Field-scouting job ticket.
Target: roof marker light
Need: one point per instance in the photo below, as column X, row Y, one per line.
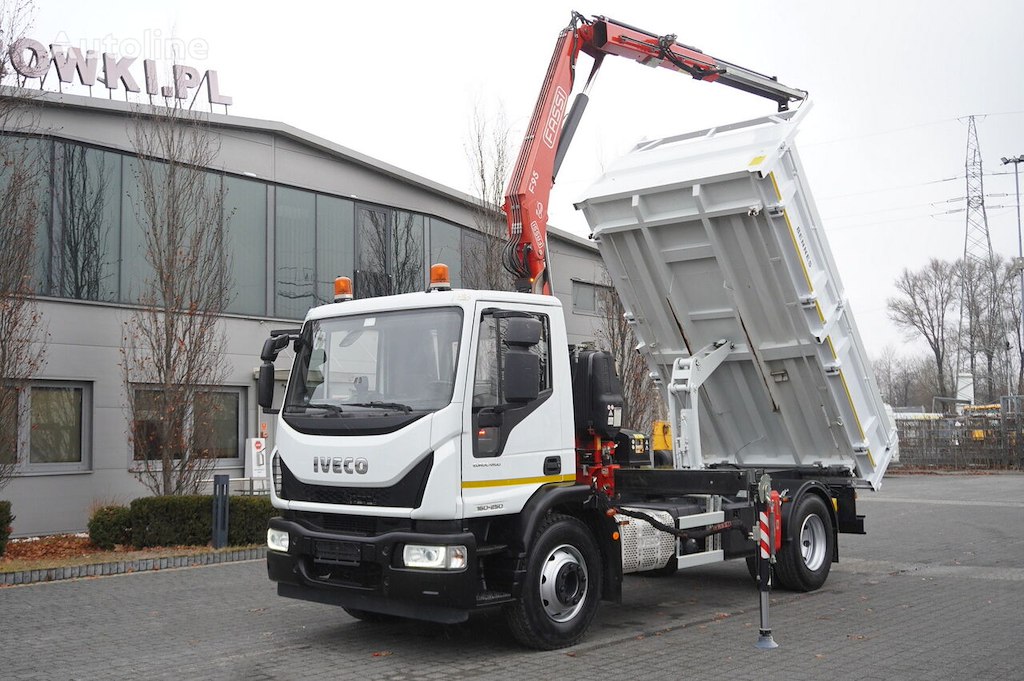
column 439, row 278
column 342, row 289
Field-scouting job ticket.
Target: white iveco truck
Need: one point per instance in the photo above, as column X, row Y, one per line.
column 443, row 452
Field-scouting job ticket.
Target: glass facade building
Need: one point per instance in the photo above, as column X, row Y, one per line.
column 297, row 212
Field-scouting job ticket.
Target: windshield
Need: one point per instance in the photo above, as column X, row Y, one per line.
column 391, row 362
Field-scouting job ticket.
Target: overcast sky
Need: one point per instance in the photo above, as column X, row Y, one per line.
column 884, row 146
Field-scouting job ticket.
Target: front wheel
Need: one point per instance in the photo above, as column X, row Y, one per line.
column 562, row 588
column 804, row 563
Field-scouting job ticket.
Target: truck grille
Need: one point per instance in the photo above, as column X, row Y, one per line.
column 407, row 492
column 353, row 525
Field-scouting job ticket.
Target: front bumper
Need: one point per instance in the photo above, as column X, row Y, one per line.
column 366, row 573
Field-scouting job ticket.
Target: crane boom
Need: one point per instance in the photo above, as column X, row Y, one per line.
column 551, row 127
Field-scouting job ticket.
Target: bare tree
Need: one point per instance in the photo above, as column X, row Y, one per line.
column 172, row 348
column 904, row 381
column 22, row 171
column 642, row 403
column 885, row 366
column 489, row 153
column 925, row 305
column 984, row 328
column 1012, row 304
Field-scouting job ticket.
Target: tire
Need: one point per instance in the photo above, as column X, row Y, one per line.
column 752, row 567
column 367, row 616
column 562, row 588
column 805, row 560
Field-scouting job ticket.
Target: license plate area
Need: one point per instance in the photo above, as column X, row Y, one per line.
column 336, row 552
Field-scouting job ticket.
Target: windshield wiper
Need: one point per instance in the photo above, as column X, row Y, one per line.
column 325, row 405
column 382, row 405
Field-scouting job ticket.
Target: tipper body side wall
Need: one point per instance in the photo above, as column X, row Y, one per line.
column 712, row 237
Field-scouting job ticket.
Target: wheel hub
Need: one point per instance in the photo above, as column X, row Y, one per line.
column 563, row 583
column 813, row 542
column 570, row 584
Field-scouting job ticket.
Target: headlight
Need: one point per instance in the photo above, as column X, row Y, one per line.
column 277, row 540
column 434, row 557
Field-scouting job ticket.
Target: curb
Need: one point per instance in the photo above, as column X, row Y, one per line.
column 129, row 566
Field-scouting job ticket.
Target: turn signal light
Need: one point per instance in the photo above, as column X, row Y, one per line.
column 342, row 289
column 439, row 277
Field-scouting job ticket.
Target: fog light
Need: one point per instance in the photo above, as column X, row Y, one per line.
column 277, row 540
column 434, row 557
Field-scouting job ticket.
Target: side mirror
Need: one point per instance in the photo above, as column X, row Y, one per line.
column 265, row 385
column 279, row 340
column 521, row 373
column 521, row 368
column 522, row 332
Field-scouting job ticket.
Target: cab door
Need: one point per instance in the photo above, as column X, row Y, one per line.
column 512, row 445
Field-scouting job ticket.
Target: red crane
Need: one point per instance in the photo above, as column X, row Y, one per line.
column 551, row 130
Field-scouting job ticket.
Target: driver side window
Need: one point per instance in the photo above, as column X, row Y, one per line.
column 485, row 385
column 493, row 416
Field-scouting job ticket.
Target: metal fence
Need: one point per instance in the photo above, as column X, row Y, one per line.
column 983, row 439
column 240, row 486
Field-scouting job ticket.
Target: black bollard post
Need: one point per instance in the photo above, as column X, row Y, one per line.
column 220, row 511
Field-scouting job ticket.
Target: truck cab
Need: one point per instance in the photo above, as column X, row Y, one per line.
column 414, row 430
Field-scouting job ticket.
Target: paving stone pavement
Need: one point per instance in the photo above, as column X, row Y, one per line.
column 932, row 592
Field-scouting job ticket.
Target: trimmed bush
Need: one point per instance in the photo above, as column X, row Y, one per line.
column 110, row 525
column 172, row 521
column 5, row 525
column 188, row 520
column 248, row 518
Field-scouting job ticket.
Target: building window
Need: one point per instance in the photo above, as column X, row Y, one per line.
column 584, row 298
column 445, row 247
column 371, row 275
column 25, row 190
column 245, row 213
column 55, row 434
column 87, row 223
column 407, row 253
column 218, row 424
column 294, row 253
column 215, row 420
column 52, row 431
column 588, row 298
column 335, row 229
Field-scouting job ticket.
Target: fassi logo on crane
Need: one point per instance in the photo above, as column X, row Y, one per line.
column 554, row 122
column 31, row 59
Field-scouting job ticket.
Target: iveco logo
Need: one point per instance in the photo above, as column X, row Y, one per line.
column 337, row 464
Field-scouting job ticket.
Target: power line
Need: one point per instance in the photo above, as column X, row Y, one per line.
column 955, row 178
column 917, row 219
column 916, row 126
column 879, row 133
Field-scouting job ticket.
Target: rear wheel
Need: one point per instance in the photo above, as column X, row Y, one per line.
column 804, row 562
column 562, row 588
column 752, row 567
